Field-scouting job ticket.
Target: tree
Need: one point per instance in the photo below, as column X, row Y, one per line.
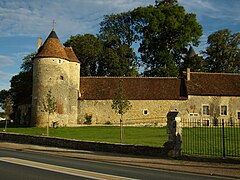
column 8, row 109
column 88, row 49
column 165, row 32
column 223, row 52
column 117, row 35
column 121, row 105
column 193, row 61
column 49, row 106
column 21, row 84
column 3, row 96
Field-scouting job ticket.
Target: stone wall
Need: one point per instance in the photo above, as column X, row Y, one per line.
column 54, row 74
column 83, row 145
column 143, row 112
column 194, row 106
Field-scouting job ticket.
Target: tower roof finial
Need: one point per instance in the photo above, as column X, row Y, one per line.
column 53, row 24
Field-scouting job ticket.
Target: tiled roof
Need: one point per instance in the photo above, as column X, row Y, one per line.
column 52, row 47
column 71, row 55
column 134, row 88
column 215, row 84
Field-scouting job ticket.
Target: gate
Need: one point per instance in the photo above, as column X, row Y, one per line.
column 211, row 138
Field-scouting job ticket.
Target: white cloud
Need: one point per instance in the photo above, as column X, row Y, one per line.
column 27, row 17
column 6, row 61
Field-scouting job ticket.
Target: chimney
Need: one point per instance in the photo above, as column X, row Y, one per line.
column 188, row 74
column 39, row 43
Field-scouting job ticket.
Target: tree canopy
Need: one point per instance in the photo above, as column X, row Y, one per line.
column 166, row 32
column 223, row 51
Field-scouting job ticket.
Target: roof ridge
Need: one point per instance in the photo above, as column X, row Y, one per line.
column 215, row 73
column 128, row 77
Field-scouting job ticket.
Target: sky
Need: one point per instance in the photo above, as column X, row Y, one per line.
column 24, row 21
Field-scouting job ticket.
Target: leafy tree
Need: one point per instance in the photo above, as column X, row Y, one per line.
column 121, row 105
column 115, row 62
column 8, row 109
column 49, row 106
column 165, row 31
column 193, row 61
column 223, row 52
column 3, row 96
column 88, row 49
column 117, row 35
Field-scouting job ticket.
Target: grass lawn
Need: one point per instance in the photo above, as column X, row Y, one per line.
column 149, row 136
column 210, row 141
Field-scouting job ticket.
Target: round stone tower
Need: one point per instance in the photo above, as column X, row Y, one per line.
column 55, row 69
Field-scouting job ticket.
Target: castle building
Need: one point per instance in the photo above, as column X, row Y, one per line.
column 199, row 97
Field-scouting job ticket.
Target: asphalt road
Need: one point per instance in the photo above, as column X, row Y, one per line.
column 24, row 165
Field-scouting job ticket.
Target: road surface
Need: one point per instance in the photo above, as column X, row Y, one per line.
column 24, row 165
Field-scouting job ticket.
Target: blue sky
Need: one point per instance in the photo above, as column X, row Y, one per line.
column 23, row 21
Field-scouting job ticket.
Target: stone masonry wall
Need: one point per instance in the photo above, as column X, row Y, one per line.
column 194, row 105
column 143, row 112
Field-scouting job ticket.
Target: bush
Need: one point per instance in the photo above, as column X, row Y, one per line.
column 215, row 121
column 108, row 123
column 88, row 119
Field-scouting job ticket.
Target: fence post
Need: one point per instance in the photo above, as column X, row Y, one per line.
column 223, row 138
column 174, row 145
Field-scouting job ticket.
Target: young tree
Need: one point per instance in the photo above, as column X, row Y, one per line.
column 8, row 109
column 121, row 105
column 49, row 106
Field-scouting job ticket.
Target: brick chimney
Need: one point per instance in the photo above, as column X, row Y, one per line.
column 188, row 74
column 39, row 43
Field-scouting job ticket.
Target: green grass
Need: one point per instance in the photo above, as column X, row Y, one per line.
column 149, row 136
column 209, row 141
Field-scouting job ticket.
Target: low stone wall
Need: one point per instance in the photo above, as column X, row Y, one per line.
column 83, row 145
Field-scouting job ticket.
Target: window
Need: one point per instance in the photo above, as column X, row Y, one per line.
column 205, row 109
column 145, row 112
column 60, row 61
column 193, row 114
column 238, row 115
column 223, row 110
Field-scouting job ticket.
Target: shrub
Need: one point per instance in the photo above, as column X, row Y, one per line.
column 88, row 119
column 215, row 121
column 108, row 123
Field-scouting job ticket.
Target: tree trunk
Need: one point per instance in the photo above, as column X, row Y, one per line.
column 48, row 125
column 121, row 130
column 5, row 129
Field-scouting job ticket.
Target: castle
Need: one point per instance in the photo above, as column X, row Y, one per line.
column 199, row 97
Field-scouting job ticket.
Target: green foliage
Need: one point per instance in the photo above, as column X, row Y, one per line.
column 27, row 65
column 88, row 119
column 3, row 96
column 165, row 31
column 117, row 35
column 119, row 103
column 49, row 104
column 193, row 61
column 8, row 107
column 88, row 49
column 223, row 52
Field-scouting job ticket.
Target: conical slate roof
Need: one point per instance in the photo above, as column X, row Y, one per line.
column 52, row 47
column 191, row 52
